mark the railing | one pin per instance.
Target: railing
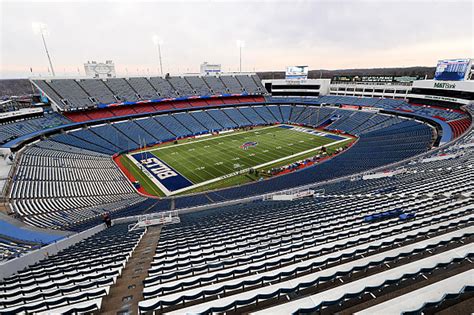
(161, 218)
(295, 193)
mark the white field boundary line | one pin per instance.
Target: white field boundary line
(243, 171)
(150, 176)
(157, 182)
(233, 133)
(246, 170)
(130, 182)
(228, 134)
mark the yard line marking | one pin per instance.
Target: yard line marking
(247, 160)
(192, 164)
(229, 134)
(243, 171)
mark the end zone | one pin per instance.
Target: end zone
(170, 181)
(161, 174)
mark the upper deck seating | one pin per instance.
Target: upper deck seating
(216, 85)
(98, 90)
(232, 84)
(198, 85)
(72, 95)
(122, 90)
(248, 84)
(182, 86)
(143, 87)
(163, 87)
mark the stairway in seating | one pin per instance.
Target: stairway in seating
(127, 291)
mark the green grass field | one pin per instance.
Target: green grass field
(203, 161)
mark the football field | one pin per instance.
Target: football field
(224, 160)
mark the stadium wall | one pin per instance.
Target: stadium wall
(297, 87)
(13, 266)
(451, 94)
(399, 91)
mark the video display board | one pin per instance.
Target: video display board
(296, 73)
(453, 69)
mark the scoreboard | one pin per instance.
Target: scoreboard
(98, 70)
(296, 73)
(453, 69)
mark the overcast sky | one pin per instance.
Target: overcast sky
(321, 34)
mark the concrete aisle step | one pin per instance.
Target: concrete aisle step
(127, 291)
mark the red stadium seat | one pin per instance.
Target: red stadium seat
(181, 104)
(145, 108)
(123, 110)
(99, 114)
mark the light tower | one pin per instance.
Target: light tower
(41, 28)
(158, 42)
(240, 44)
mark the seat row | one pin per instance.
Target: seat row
(75, 278)
(84, 93)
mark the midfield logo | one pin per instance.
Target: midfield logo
(249, 144)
